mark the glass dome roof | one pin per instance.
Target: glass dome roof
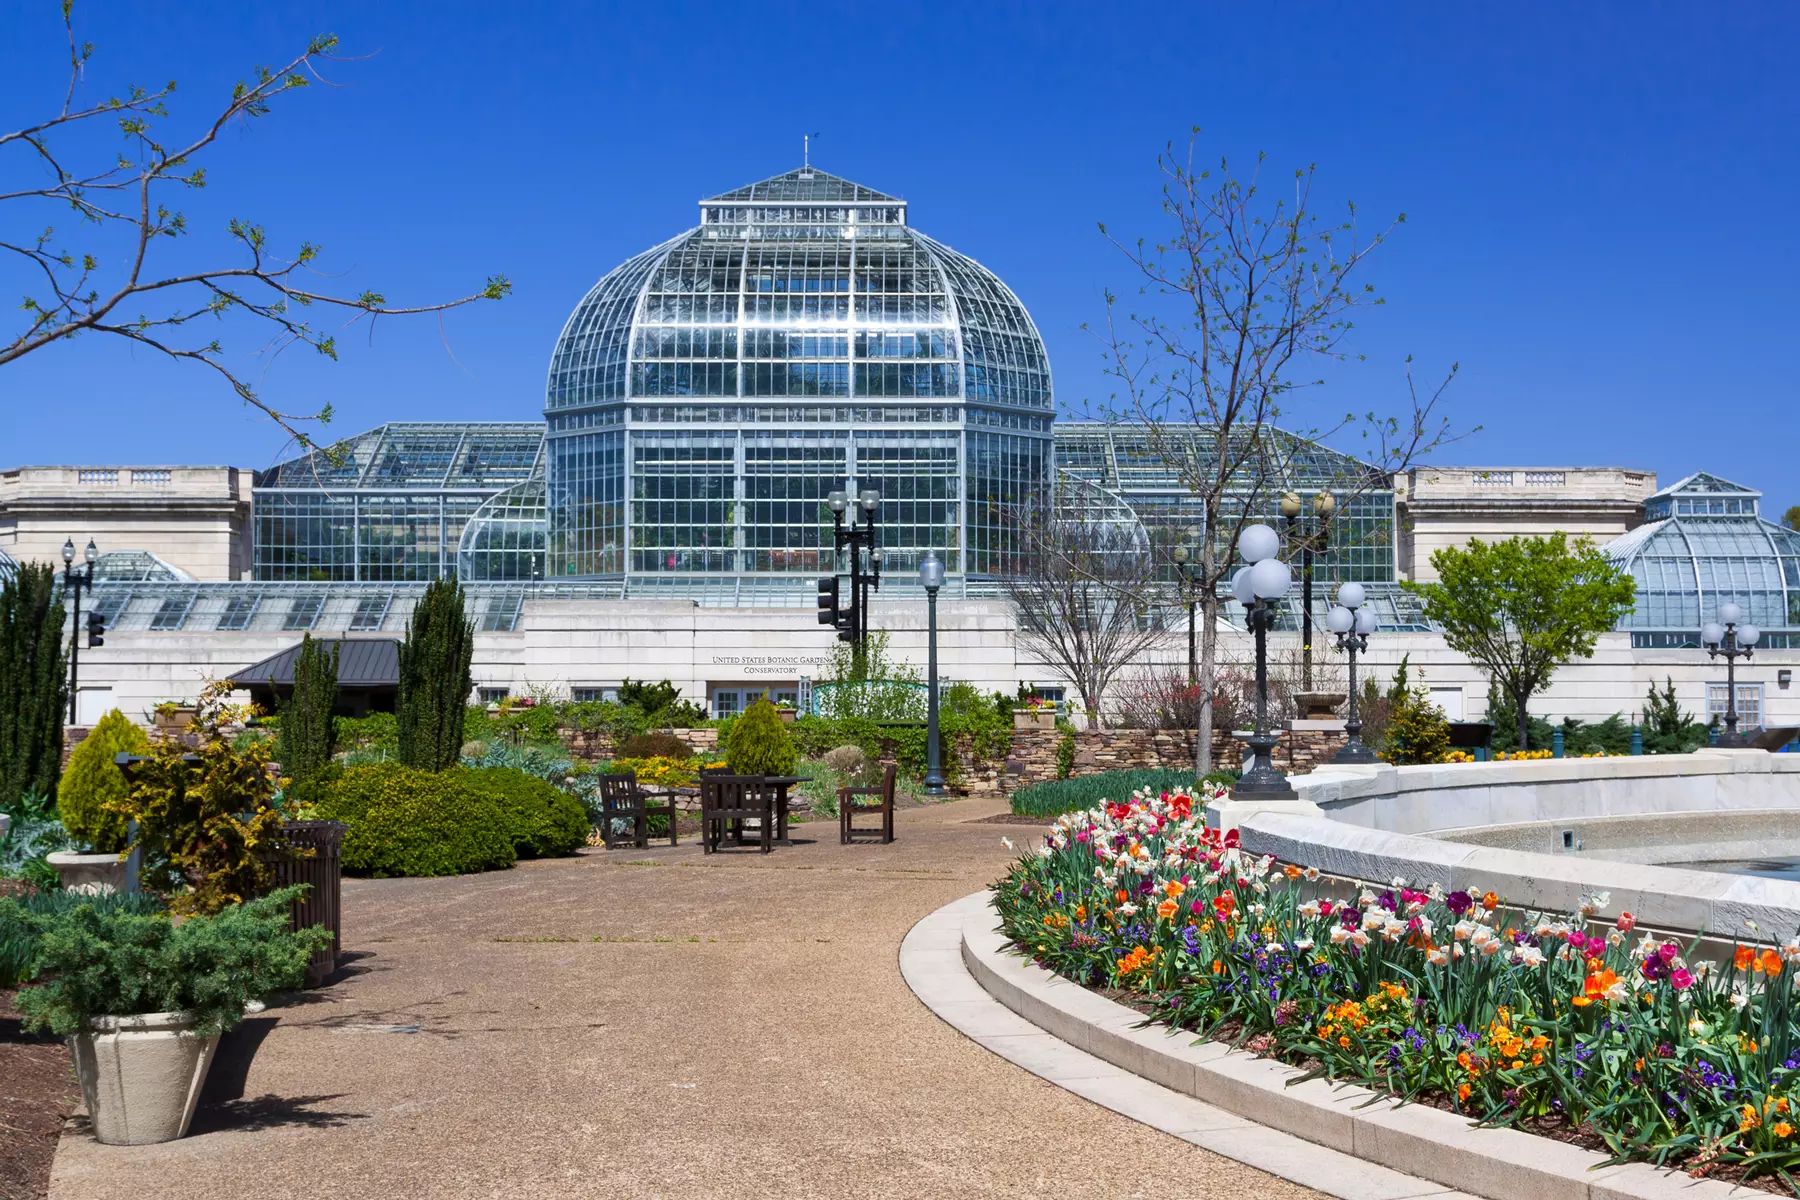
(1705, 544)
(800, 285)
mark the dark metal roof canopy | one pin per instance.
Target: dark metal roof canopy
(362, 663)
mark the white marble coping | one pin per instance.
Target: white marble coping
(1331, 783)
(1415, 1142)
(931, 960)
(1671, 898)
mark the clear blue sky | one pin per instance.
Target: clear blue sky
(1600, 202)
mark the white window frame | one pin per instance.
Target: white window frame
(1750, 703)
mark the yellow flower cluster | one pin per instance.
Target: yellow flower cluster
(1520, 755)
(1457, 756)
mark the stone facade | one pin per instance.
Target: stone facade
(194, 518)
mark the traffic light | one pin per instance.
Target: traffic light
(828, 601)
(96, 629)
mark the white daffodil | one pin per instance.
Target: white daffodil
(1303, 944)
(1310, 910)
(1530, 956)
(1437, 956)
(1007, 842)
(1129, 910)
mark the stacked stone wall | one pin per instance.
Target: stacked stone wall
(1033, 758)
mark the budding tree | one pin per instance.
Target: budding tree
(1246, 290)
(117, 268)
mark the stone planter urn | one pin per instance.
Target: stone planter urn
(787, 715)
(141, 1076)
(1318, 706)
(1034, 718)
(93, 874)
(174, 718)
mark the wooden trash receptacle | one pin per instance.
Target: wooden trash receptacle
(312, 856)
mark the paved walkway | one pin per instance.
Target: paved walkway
(652, 1024)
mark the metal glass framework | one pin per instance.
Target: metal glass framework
(393, 504)
(1705, 544)
(1130, 462)
(706, 395)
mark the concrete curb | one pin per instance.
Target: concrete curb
(1427, 1144)
(931, 960)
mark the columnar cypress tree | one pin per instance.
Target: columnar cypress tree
(306, 730)
(434, 678)
(34, 682)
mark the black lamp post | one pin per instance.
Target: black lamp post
(1353, 624)
(73, 583)
(1259, 587)
(1323, 505)
(859, 540)
(1727, 639)
(931, 575)
(1190, 573)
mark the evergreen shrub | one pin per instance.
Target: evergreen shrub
(655, 745)
(760, 743)
(405, 821)
(1059, 796)
(34, 675)
(430, 719)
(93, 786)
(307, 733)
(543, 821)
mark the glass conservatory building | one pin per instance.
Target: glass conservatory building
(1704, 543)
(707, 394)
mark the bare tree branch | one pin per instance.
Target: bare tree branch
(71, 304)
(1248, 287)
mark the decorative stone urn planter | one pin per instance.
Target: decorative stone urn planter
(93, 874)
(174, 718)
(141, 1076)
(787, 715)
(1034, 718)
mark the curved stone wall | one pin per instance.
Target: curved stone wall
(1499, 827)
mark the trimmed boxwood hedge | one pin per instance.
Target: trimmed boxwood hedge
(544, 821)
(408, 822)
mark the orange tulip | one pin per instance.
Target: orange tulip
(1745, 958)
(1770, 962)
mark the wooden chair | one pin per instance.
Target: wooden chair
(726, 802)
(622, 802)
(884, 804)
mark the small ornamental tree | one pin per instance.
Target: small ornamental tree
(1668, 730)
(434, 679)
(1523, 607)
(34, 688)
(760, 743)
(89, 797)
(205, 814)
(307, 737)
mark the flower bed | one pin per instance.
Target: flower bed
(1569, 1026)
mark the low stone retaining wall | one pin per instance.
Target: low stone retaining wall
(1033, 757)
(1430, 1143)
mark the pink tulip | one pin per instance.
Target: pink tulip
(1682, 978)
(1626, 922)
(1668, 951)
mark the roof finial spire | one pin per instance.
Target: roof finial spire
(806, 149)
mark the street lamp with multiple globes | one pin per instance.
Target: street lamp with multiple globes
(1317, 538)
(1727, 639)
(1353, 624)
(931, 575)
(73, 583)
(1259, 587)
(861, 541)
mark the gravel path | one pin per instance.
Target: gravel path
(649, 1024)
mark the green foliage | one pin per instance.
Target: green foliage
(405, 821)
(1065, 756)
(760, 743)
(542, 820)
(205, 813)
(1417, 731)
(865, 682)
(1503, 715)
(1791, 518)
(376, 731)
(655, 745)
(975, 727)
(90, 797)
(1085, 791)
(35, 832)
(1668, 730)
(307, 732)
(20, 926)
(1373, 709)
(34, 688)
(115, 962)
(434, 679)
(1522, 607)
(619, 720)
